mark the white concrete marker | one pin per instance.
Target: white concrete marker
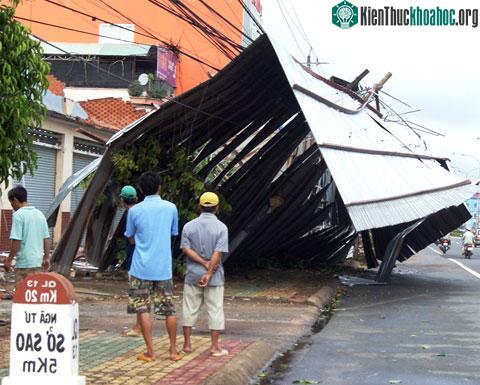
(473, 272)
(44, 332)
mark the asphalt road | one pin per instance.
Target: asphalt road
(421, 329)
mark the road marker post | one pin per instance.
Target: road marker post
(44, 335)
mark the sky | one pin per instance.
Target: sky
(435, 69)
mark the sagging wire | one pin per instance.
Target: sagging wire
(288, 25)
(126, 80)
(251, 16)
(212, 34)
(76, 30)
(225, 19)
(167, 44)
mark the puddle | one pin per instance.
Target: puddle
(283, 363)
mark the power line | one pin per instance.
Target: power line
(288, 25)
(175, 49)
(75, 30)
(211, 34)
(128, 18)
(251, 16)
(219, 38)
(299, 26)
(173, 100)
(226, 20)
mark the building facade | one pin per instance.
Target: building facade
(72, 136)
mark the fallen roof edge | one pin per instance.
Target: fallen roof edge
(334, 146)
(390, 213)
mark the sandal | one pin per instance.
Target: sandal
(176, 358)
(131, 333)
(144, 357)
(220, 353)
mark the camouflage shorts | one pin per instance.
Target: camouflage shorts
(141, 294)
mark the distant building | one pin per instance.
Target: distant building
(473, 205)
(128, 38)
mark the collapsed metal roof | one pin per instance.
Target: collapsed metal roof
(381, 181)
(358, 176)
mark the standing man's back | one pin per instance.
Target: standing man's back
(154, 221)
(150, 226)
(204, 241)
(29, 236)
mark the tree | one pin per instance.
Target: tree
(23, 83)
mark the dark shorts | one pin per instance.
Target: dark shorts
(142, 293)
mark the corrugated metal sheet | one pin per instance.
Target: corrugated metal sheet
(80, 162)
(53, 102)
(378, 189)
(71, 182)
(41, 186)
(244, 105)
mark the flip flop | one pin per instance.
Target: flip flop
(144, 357)
(220, 353)
(176, 358)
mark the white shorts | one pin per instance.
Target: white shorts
(212, 297)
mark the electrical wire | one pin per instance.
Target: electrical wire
(167, 44)
(288, 25)
(128, 81)
(128, 18)
(76, 30)
(298, 24)
(217, 39)
(226, 20)
(251, 16)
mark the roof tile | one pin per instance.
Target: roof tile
(55, 86)
(113, 113)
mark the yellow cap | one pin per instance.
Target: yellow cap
(209, 199)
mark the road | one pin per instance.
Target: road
(421, 329)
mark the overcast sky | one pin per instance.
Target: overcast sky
(434, 69)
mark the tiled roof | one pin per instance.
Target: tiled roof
(113, 113)
(55, 86)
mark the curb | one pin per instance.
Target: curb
(259, 354)
(241, 369)
(323, 296)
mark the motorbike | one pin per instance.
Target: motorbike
(444, 246)
(468, 250)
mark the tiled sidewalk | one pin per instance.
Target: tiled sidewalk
(107, 358)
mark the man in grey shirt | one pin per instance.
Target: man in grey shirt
(204, 240)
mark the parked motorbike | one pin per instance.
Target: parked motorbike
(444, 246)
(468, 251)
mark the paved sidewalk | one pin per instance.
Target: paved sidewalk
(108, 359)
(266, 313)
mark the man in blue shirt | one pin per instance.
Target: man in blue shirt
(150, 226)
(29, 235)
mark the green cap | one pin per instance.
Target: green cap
(128, 192)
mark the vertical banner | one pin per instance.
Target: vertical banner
(166, 65)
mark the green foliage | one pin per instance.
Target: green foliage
(157, 91)
(179, 184)
(23, 82)
(135, 88)
(456, 233)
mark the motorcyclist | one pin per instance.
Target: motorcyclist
(468, 237)
(446, 238)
